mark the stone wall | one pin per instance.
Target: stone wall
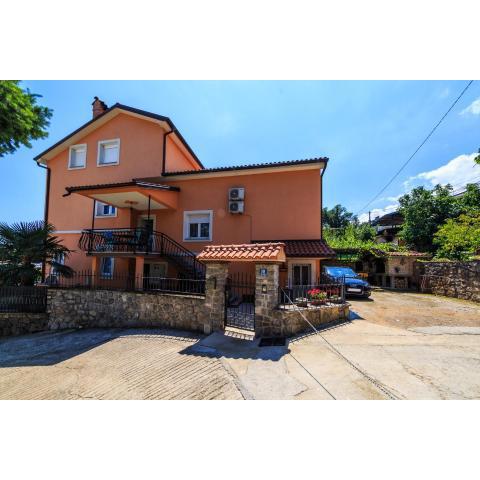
(76, 308)
(285, 323)
(452, 279)
(22, 323)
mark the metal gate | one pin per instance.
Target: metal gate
(240, 301)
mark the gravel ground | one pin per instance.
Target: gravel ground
(413, 310)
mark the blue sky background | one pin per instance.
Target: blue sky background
(367, 129)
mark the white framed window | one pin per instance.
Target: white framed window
(107, 265)
(77, 156)
(197, 226)
(302, 272)
(108, 152)
(104, 210)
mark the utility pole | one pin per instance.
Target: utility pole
(369, 219)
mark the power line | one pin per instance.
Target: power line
(415, 152)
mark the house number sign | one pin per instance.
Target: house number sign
(263, 272)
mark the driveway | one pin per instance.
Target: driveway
(111, 364)
(396, 346)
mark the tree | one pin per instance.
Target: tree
(25, 244)
(354, 236)
(423, 212)
(21, 119)
(469, 202)
(337, 217)
(459, 238)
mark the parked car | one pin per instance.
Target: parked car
(354, 284)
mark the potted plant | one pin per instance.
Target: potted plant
(301, 302)
(317, 296)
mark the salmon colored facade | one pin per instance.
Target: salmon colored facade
(140, 164)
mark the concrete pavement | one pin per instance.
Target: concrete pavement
(402, 346)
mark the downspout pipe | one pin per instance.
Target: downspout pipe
(321, 199)
(165, 150)
(45, 211)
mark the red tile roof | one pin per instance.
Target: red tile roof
(306, 248)
(265, 252)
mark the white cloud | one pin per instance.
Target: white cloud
(457, 172)
(444, 93)
(378, 212)
(473, 108)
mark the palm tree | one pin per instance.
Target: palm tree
(23, 246)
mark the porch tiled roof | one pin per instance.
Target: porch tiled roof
(265, 252)
(306, 248)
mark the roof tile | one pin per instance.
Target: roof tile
(266, 252)
(305, 248)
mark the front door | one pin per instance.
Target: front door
(156, 275)
(146, 223)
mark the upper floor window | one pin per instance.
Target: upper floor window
(77, 157)
(108, 152)
(104, 210)
(197, 225)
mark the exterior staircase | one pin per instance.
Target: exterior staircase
(141, 241)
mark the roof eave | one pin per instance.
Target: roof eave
(39, 158)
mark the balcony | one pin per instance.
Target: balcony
(140, 241)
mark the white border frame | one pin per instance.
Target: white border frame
(185, 229)
(105, 216)
(72, 147)
(99, 144)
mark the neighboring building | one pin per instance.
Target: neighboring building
(383, 269)
(128, 194)
(388, 227)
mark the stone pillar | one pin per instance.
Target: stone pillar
(139, 263)
(216, 277)
(266, 297)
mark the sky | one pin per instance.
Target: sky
(366, 128)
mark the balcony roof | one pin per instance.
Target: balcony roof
(133, 194)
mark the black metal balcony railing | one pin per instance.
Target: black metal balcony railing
(141, 241)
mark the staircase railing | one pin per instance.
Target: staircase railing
(141, 240)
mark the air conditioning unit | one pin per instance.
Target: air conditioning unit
(236, 193)
(235, 207)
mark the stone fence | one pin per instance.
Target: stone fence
(83, 308)
(14, 323)
(452, 279)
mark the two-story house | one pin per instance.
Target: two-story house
(130, 197)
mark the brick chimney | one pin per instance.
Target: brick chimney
(98, 107)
